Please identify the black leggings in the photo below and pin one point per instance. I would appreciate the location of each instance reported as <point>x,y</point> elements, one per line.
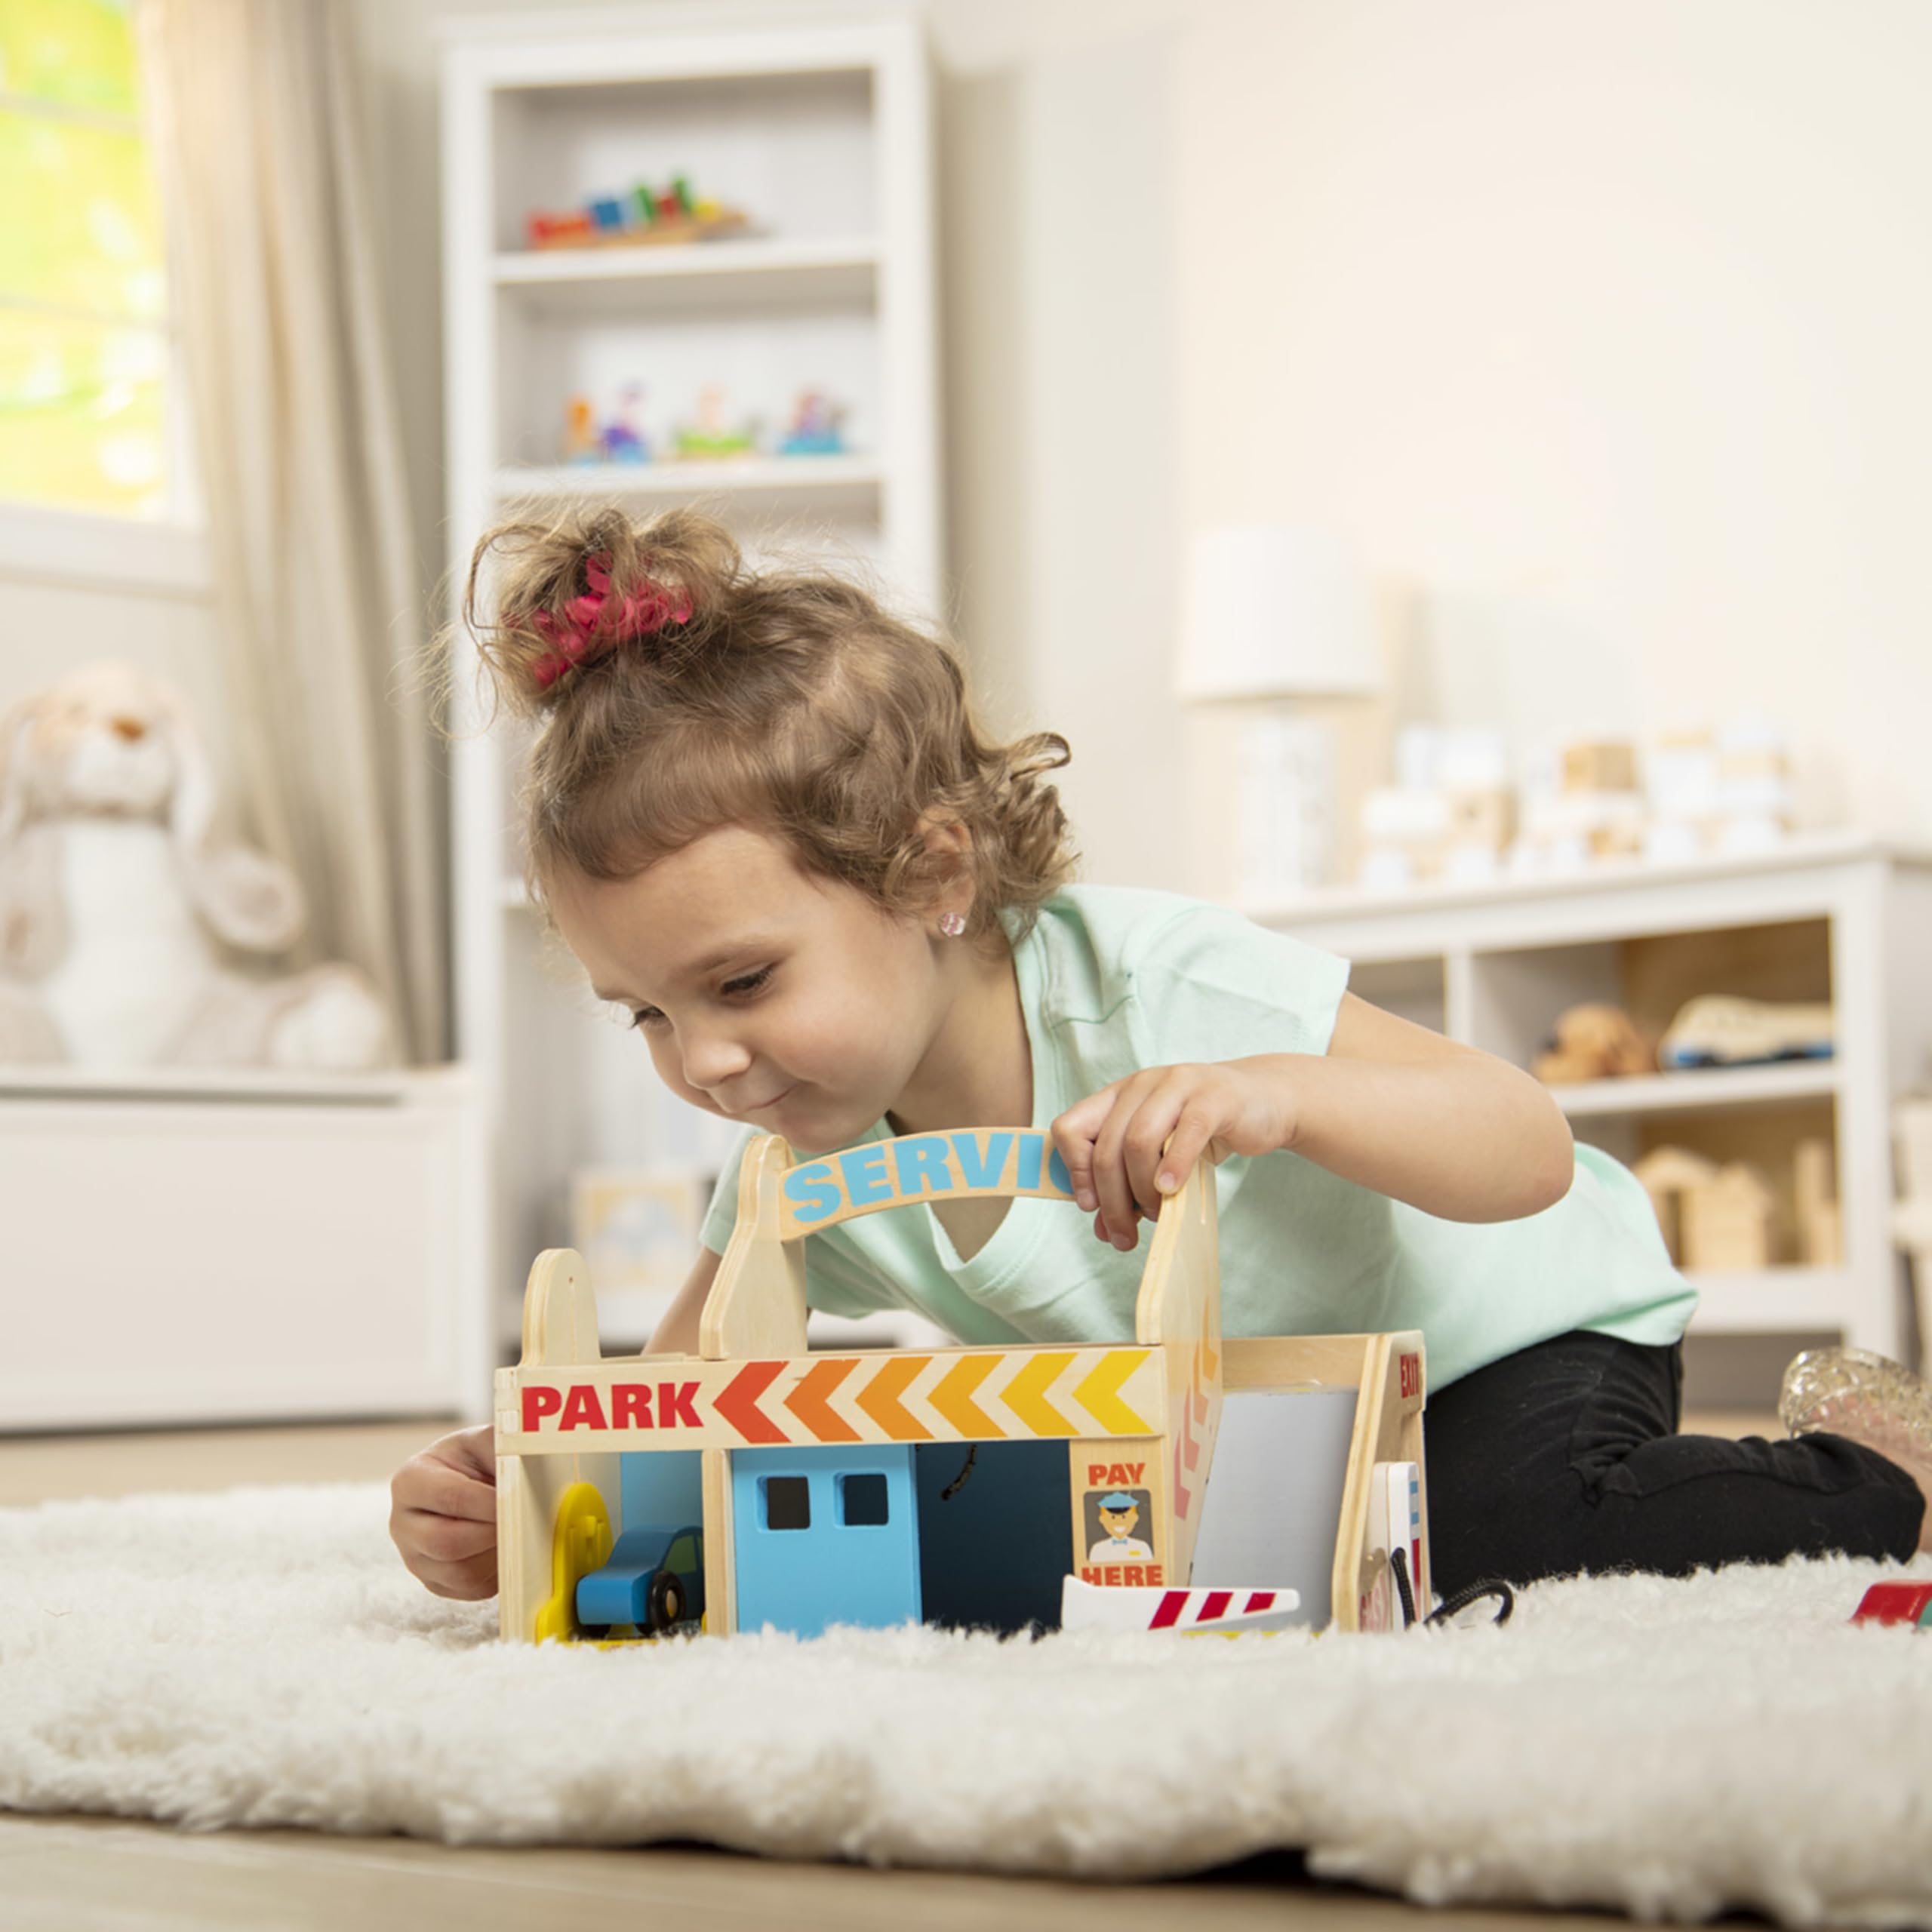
<point>1564,1457</point>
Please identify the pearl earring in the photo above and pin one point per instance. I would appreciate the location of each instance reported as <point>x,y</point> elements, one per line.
<point>952,923</point>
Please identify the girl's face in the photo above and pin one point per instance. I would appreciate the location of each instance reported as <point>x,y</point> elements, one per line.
<point>764,994</point>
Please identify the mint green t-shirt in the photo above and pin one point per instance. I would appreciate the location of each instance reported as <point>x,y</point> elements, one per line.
<point>1112,980</point>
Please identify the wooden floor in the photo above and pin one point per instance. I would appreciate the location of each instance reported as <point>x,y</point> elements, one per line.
<point>66,1874</point>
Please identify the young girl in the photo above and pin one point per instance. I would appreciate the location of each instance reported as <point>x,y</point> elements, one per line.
<point>763,816</point>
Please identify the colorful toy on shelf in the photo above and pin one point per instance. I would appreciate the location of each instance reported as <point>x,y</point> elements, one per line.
<point>645,216</point>
<point>969,1486</point>
<point>1717,1030</point>
<point>817,427</point>
<point>1593,1042</point>
<point>707,439</point>
<point>582,443</point>
<point>622,439</point>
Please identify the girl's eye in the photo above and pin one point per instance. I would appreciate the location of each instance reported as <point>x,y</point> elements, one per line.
<point>647,1017</point>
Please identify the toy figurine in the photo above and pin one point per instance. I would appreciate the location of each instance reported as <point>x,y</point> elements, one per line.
<point>816,427</point>
<point>582,443</point>
<point>707,439</point>
<point>624,438</point>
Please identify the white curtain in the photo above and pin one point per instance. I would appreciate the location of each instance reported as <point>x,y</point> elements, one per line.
<point>272,257</point>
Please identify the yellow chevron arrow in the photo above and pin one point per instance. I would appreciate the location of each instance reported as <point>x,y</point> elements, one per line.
<point>952,1397</point>
<point>1026,1395</point>
<point>879,1397</point>
<point>1099,1394</point>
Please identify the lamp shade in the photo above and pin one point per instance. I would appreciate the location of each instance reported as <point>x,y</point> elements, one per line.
<point>1275,611</point>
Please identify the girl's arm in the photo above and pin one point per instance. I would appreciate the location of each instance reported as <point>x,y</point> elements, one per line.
<point>1391,1105</point>
<point>1449,1129</point>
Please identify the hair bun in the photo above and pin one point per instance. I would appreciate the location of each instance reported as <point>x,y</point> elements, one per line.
<point>602,618</point>
<point>574,587</point>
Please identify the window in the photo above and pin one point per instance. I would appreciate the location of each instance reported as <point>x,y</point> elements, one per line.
<point>84,345</point>
<point>788,1501</point>
<point>861,1504</point>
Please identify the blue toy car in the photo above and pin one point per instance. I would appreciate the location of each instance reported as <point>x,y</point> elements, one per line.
<point>654,1579</point>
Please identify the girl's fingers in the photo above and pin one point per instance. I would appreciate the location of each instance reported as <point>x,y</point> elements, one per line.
<point>1152,1127</point>
<point>443,1538</point>
<point>466,1582</point>
<point>1109,1179</point>
<point>1073,1133</point>
<point>1122,1202</point>
<point>1194,1129</point>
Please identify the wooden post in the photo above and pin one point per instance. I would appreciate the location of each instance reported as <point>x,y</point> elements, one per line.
<point>559,1329</point>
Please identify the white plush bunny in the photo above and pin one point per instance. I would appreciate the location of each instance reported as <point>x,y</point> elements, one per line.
<point>116,899</point>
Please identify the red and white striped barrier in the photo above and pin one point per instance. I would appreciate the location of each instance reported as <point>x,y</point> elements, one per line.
<point>1188,1612</point>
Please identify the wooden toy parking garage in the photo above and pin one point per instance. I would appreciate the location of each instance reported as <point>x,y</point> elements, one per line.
<point>758,1483</point>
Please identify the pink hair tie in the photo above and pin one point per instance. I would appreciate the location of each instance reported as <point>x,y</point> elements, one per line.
<point>597,617</point>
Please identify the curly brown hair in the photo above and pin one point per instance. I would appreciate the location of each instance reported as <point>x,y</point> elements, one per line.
<point>699,693</point>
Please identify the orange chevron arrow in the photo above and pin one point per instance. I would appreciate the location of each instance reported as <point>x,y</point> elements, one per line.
<point>879,1398</point>
<point>953,1398</point>
<point>738,1401</point>
<point>1099,1394</point>
<point>1026,1394</point>
<point>807,1401</point>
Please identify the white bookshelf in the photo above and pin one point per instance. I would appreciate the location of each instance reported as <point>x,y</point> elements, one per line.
<point>1836,917</point>
<point>821,134</point>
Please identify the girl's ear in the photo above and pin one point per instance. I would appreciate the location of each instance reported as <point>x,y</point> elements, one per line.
<point>946,840</point>
<point>251,900</point>
<point>950,852</point>
<point>33,922</point>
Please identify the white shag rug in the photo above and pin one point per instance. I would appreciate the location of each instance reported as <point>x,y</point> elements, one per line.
<point>1669,1750</point>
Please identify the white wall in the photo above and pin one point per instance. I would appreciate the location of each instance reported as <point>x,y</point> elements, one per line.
<point>1605,327</point>
<point>1057,214</point>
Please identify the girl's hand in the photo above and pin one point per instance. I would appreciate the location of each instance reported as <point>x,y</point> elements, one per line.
<point>443,1516</point>
<point>1114,1142</point>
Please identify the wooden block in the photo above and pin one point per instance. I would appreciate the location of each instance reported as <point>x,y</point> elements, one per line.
<point>1609,765</point>
<point>1820,1239</point>
<point>1727,1221</point>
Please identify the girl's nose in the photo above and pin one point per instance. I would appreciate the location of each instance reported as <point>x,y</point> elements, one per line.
<point>712,1059</point>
